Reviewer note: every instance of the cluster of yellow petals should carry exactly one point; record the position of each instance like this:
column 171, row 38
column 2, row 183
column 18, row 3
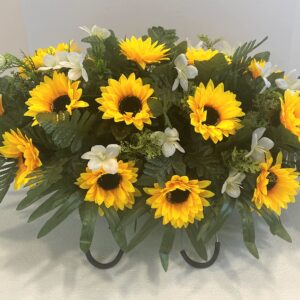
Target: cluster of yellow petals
column 199, row 54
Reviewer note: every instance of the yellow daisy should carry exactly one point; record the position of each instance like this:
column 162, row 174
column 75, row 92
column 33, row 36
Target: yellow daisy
column 255, row 67
column 143, row 52
column 275, row 186
column 53, row 95
column 199, row 54
column 125, row 100
column 290, row 112
column 114, row 190
column 180, row 202
column 215, row 112
column 18, row 146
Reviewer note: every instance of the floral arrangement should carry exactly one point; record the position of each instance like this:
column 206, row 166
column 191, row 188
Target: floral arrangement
column 152, row 133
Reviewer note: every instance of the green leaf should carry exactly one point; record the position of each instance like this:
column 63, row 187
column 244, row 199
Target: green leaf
column 248, row 229
column 144, row 231
column 262, row 56
column 72, row 203
column 88, row 214
column 197, row 243
column 222, row 214
column 8, row 169
column 67, row 130
column 275, row 224
column 155, row 107
column 166, row 246
column 132, row 215
column 113, row 220
column 178, row 164
column 120, row 132
column 163, row 36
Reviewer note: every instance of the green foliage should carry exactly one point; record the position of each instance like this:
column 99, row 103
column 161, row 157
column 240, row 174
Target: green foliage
column 197, row 242
column 166, row 246
column 8, row 170
column 163, row 36
column 208, row 42
column 67, row 130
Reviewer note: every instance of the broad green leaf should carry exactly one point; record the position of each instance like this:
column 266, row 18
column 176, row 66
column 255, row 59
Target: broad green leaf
column 8, row 171
column 88, row 214
column 248, row 229
column 155, row 107
column 72, row 203
column 143, row 232
column 166, row 245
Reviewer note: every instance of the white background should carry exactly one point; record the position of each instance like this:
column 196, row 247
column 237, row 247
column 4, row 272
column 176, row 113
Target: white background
column 53, row 267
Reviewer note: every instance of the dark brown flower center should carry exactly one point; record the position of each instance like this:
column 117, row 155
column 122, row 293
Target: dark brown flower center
column 212, row 116
column 178, row 196
column 109, row 181
column 60, row 103
column 272, row 181
column 130, row 104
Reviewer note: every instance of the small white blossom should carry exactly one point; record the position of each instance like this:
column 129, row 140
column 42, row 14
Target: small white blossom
column 265, row 73
column 2, row 61
column 168, row 140
column 232, row 185
column 74, row 62
column 184, row 72
column 290, row 81
column 103, row 157
column 53, row 61
column 259, row 145
column 101, row 33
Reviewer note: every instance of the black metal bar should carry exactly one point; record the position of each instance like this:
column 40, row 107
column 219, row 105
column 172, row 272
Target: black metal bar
column 100, row 265
column 202, row 265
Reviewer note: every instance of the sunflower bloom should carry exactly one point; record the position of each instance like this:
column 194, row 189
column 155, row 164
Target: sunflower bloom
column 275, row 186
column 125, row 100
column 180, row 202
column 256, row 67
column 54, row 95
column 112, row 190
column 143, row 52
column 290, row 112
column 18, row 146
column 215, row 112
column 199, row 54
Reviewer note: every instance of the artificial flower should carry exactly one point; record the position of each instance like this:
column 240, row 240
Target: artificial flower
column 101, row 33
column 215, row 112
column 103, row 157
column 168, row 140
column 290, row 81
column 199, row 54
column 74, row 62
column 232, row 185
column 112, row 190
column 20, row 147
column 290, row 112
column 260, row 145
column 261, row 69
column 52, row 62
column 143, row 52
column 275, row 186
column 184, row 72
column 181, row 201
column 53, row 95
column 126, row 100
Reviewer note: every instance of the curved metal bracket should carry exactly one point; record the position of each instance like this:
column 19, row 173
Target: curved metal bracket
column 202, row 265
column 100, row 265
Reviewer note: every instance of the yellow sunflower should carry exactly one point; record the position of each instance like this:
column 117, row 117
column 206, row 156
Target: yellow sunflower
column 126, row 101
column 275, row 186
column 215, row 112
column 114, row 190
column 143, row 52
column 53, row 95
column 255, row 67
column 199, row 54
column 18, row 146
column 290, row 112
column 181, row 201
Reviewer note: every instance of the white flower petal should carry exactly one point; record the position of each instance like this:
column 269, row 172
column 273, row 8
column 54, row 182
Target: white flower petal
column 171, row 132
column 159, row 136
column 74, row 58
column 292, row 75
column 175, row 84
column 88, row 155
column 258, row 155
column 184, row 84
column 61, row 55
column 74, row 74
column 94, row 164
column 224, row 186
column 265, row 143
column 296, row 85
column 233, row 190
column 168, row 149
column 281, row 83
column 49, row 60
column 192, row 72
column 84, row 75
column 258, row 132
column 86, row 29
column 179, row 148
column 112, row 151
column 181, row 61
column 66, row 64
column 98, row 149
column 110, row 166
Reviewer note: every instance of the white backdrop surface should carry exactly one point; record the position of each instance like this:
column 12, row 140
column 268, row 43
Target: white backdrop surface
column 53, row 267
